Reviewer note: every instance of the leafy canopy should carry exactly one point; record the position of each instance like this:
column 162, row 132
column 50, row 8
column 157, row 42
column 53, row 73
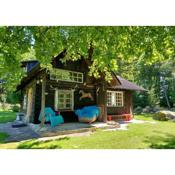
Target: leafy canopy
column 107, row 47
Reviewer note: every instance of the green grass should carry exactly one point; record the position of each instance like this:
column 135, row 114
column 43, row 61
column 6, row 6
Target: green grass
column 3, row 136
column 138, row 136
column 145, row 117
column 7, row 116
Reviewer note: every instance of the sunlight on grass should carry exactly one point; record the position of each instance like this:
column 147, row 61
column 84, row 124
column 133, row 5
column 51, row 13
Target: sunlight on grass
column 145, row 117
column 138, row 136
column 3, row 136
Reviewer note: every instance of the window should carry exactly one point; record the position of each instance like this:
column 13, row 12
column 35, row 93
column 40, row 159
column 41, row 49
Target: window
column 114, row 98
column 63, row 99
column 65, row 75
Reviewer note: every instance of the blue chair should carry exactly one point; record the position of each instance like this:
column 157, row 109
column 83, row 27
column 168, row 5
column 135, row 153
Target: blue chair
column 56, row 120
column 51, row 117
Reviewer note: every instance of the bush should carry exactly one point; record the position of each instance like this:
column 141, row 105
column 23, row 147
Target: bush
column 161, row 116
column 138, row 110
column 147, row 109
column 15, row 108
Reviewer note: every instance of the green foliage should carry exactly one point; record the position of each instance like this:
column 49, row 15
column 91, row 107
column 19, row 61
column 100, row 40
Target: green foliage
column 161, row 116
column 107, row 47
column 13, row 97
column 142, row 54
column 141, row 99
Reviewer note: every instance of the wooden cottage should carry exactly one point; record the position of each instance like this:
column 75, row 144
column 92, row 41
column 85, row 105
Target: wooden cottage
column 68, row 87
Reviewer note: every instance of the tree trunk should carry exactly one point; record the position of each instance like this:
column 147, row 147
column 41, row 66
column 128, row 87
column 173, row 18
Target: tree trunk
column 166, row 97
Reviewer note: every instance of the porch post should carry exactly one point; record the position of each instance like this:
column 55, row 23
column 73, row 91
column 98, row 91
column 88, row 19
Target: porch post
column 102, row 102
column 29, row 104
column 105, row 102
column 43, row 100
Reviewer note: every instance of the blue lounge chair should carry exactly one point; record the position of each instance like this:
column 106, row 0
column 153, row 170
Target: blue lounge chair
column 88, row 114
column 50, row 116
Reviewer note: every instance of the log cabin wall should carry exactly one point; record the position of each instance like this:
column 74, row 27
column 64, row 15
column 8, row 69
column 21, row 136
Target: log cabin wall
column 95, row 87
column 52, row 85
column 127, row 106
column 37, row 103
column 50, row 93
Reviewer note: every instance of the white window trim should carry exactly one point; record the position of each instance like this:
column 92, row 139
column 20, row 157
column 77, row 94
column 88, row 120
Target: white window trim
column 56, row 99
column 113, row 98
column 68, row 80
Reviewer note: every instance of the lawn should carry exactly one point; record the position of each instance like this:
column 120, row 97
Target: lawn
column 7, row 116
column 138, row 136
column 3, row 136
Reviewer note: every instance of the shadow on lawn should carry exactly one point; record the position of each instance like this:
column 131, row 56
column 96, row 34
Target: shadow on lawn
column 35, row 144
column 161, row 142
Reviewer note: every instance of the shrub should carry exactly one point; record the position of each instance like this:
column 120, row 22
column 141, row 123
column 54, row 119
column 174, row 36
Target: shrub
column 161, row 116
column 138, row 110
column 147, row 109
column 15, row 108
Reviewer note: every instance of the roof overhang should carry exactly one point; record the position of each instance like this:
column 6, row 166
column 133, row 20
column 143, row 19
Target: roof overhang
column 127, row 85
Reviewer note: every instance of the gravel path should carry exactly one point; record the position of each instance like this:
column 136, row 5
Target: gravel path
column 17, row 134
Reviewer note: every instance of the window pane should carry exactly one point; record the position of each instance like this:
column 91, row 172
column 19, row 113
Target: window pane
column 61, row 100
column 109, row 99
column 60, row 95
column 75, row 74
column 75, row 79
column 79, row 75
column 67, row 100
column 68, row 105
column 60, row 105
column 119, row 99
column 115, row 99
column 68, row 95
column 79, row 79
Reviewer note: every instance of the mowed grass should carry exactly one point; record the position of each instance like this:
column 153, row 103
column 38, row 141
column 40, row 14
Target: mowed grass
column 7, row 116
column 138, row 136
column 3, row 136
column 145, row 117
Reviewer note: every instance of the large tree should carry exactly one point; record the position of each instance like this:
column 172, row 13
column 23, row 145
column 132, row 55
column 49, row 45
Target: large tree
column 119, row 49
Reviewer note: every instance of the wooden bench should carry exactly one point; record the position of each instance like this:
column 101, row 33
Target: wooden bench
column 121, row 117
